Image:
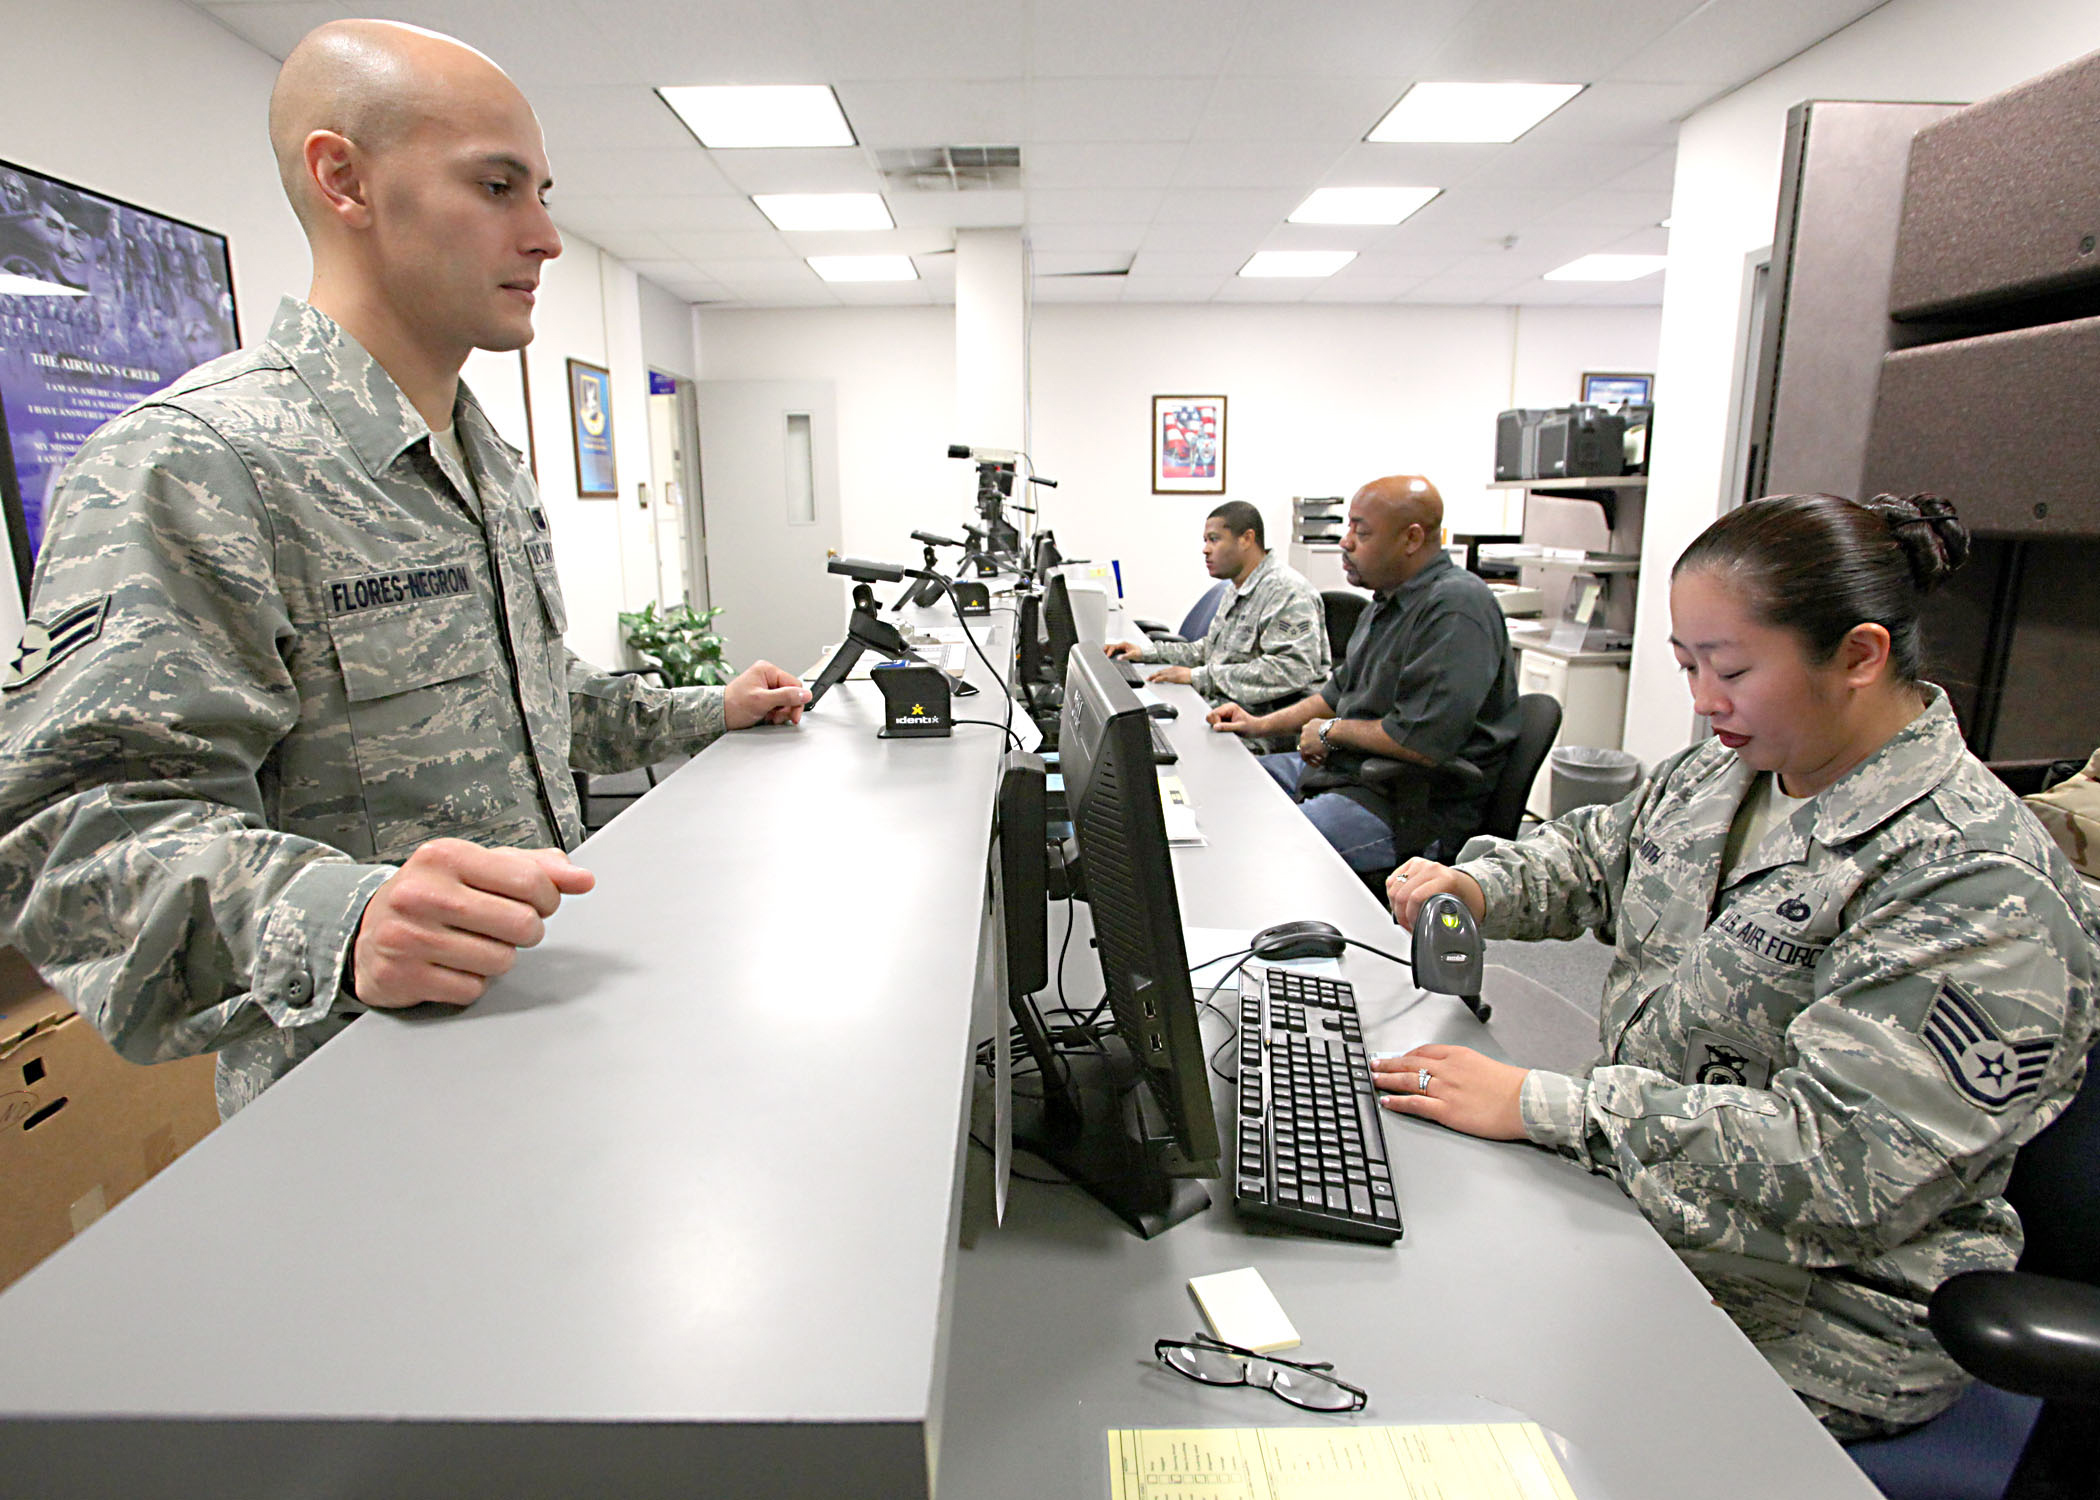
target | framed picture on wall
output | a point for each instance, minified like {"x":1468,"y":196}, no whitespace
{"x":590,"y":412}
{"x":1600,"y":389}
{"x":1188,"y":445}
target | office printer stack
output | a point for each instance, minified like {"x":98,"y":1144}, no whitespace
{"x":1572,"y":442}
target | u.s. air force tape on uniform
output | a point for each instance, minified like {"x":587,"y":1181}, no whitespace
{"x":44,"y":645}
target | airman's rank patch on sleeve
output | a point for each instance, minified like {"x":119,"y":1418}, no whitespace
{"x":1988,"y":1069}
{"x":44,"y":645}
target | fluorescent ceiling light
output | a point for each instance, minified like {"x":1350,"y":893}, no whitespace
{"x":753,"y":116}
{"x":1297,"y":262}
{"x":1362,"y":205}
{"x":825,"y":210}
{"x":864,"y":267}
{"x":12,"y":285}
{"x":1471,"y":111}
{"x":1609,"y":268}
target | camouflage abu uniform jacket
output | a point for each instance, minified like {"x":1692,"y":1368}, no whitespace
{"x":276,"y":643}
{"x":1814,"y":1079}
{"x":1268,"y":641}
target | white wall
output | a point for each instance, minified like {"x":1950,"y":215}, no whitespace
{"x":1727,"y":194}
{"x":1321,"y":399}
{"x":151,"y":101}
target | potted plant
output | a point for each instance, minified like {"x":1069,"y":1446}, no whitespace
{"x":679,"y":643}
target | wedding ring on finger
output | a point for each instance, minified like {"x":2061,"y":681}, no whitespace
{"x":1421,"y":1080}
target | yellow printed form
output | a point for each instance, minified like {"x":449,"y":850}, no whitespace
{"x":1480,"y":1461}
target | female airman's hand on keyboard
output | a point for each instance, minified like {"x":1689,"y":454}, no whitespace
{"x":1456,"y":1087}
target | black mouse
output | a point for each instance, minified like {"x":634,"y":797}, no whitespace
{"x":1299,"y":940}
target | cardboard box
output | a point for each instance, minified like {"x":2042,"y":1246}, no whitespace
{"x":80,"y":1128}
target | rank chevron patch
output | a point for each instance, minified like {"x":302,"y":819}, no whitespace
{"x":1981,"y":1063}
{"x":45,"y":646}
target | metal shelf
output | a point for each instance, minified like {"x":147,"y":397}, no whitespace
{"x":1591,"y":482}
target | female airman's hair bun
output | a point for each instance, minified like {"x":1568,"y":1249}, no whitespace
{"x":1819,"y":565}
{"x":1931,"y":535}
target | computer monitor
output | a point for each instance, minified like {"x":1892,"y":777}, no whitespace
{"x":1060,"y":625}
{"x":1030,"y":671}
{"x":1047,"y":557}
{"x":1146,"y":1129}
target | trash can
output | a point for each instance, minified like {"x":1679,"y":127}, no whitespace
{"x":1583,"y":774}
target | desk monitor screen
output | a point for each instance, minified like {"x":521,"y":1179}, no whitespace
{"x":1148,"y":1124}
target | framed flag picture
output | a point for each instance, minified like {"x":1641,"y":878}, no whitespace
{"x":1188,"y":445}
{"x":590,"y":410}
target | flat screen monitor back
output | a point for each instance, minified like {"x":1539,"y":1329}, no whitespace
{"x":101,"y":303}
{"x":1060,"y":624}
{"x":1149,"y":1124}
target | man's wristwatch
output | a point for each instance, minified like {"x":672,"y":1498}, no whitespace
{"x":1325,"y":726}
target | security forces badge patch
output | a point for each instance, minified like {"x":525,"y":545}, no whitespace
{"x":46,"y":644}
{"x":1977,"y":1060}
{"x":1712,"y":1058}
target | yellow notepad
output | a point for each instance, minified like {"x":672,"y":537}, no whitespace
{"x":1477,"y":1461}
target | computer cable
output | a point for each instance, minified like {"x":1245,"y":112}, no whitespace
{"x":998,"y":680}
{"x":1012,"y":738}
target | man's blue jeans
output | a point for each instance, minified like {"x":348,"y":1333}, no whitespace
{"x":1359,"y":835}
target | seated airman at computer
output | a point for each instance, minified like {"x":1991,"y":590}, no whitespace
{"x":1427,"y":678}
{"x":1267,"y":643}
{"x":1853,"y":976}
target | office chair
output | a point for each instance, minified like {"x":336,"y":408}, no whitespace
{"x":1196,"y":624}
{"x":2030,"y":1428}
{"x":1538,"y":721}
{"x":1343,"y":608}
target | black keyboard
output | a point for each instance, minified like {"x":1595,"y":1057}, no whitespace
{"x":1311,"y":1154}
{"x":1130,"y":671}
{"x":1163,"y":751}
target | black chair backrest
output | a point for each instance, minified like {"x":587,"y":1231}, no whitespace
{"x":1343,"y":607}
{"x":2056,"y":1188}
{"x":1196,"y":624}
{"x":1538,"y":722}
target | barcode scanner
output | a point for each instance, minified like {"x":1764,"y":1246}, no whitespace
{"x":1449,"y":957}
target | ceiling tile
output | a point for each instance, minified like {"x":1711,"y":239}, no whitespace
{"x":684,"y":172}
{"x":1077,"y":289}
{"x":1345,"y":38}
{"x":1256,"y":164}
{"x":1074,"y":262}
{"x":720,"y":41}
{"x":871,"y":242}
{"x":1725,"y":45}
{"x":845,"y":169}
{"x":1625,"y":114}
{"x":1171,"y":288}
{"x":1150,"y":262}
{"x":932,"y":39}
{"x":719,"y":247}
{"x":1244,"y":207}
{"x":1129,"y":111}
{"x":650,"y":211}
{"x":591,"y":118}
{"x":934,"y":112}
{"x":1583,"y":41}
{"x":994,"y":208}
{"x":1324,"y":109}
{"x":1084,"y":205}
{"x":1543,"y":164}
{"x":1088,"y":38}
{"x":1087,"y":166}
{"x":1087,"y":238}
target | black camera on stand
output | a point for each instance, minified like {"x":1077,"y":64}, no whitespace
{"x":996,"y":541}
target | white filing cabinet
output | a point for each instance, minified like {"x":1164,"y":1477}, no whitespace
{"x":1591,"y":690}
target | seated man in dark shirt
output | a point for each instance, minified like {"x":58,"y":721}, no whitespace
{"x":1427,"y":678}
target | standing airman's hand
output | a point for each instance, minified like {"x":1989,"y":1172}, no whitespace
{"x":763,"y":694}
{"x":453,"y":917}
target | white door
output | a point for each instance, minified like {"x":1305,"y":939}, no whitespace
{"x":769,"y":492}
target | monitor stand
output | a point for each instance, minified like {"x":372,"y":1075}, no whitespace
{"x":1102,"y":1130}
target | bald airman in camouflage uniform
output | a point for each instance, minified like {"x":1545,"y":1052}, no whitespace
{"x":280,"y":640}
{"x":1815,"y":1076}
